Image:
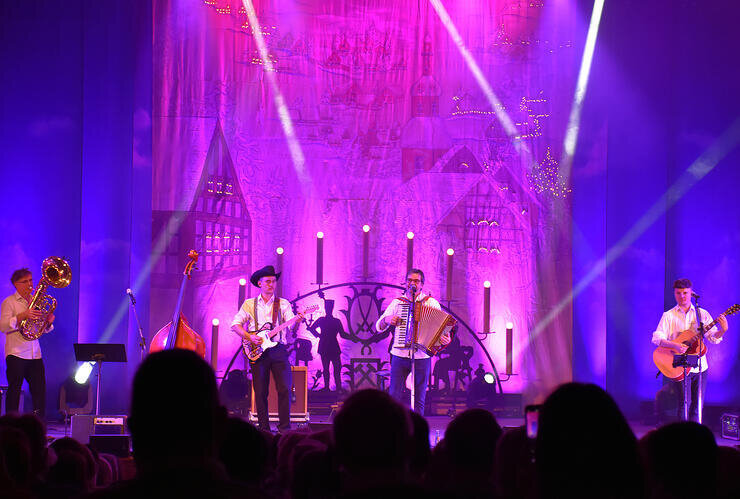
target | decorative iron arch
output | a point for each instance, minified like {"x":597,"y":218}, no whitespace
{"x":357,"y":284}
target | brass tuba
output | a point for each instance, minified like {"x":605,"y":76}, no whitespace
{"x":55,"y":272}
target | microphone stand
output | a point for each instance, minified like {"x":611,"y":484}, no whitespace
{"x":700,"y":383}
{"x":412,"y":322}
{"x":142,"y":341}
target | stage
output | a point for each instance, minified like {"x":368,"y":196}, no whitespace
{"x":550,"y":171}
{"x":437,"y":426}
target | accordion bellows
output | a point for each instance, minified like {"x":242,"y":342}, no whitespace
{"x":432,"y":325}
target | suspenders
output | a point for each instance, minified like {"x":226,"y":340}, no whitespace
{"x":275,"y":319}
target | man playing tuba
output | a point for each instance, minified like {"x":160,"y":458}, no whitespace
{"x":23,"y":357}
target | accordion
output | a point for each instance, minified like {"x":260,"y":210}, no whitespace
{"x":432,"y":324}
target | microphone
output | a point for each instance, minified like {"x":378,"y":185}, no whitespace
{"x":412,"y":288}
{"x":131,"y":295}
{"x":694,"y":295}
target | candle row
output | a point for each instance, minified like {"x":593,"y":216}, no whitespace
{"x":365,"y":257}
{"x":410,"y":237}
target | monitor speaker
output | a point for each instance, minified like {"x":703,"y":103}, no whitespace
{"x":84,"y":425}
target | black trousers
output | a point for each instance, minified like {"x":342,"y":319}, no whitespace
{"x":32,"y":370}
{"x":669,"y":399}
{"x":273,"y":360}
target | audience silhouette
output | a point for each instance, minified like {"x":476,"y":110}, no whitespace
{"x":584,"y":447}
{"x":177,"y":425}
{"x":186,"y":446}
{"x":698,"y":450}
{"x":463,"y":462}
{"x":373,"y":436}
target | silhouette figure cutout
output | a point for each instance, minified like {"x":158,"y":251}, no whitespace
{"x":329,"y":349}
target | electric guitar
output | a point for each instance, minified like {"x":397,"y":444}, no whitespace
{"x":663,"y":356}
{"x":254,"y":352}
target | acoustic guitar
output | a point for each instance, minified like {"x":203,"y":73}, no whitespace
{"x":254,"y":352}
{"x":663,"y":356}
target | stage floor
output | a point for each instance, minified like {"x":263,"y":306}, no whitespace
{"x":437,"y":426}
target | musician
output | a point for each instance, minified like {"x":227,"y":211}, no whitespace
{"x":401,"y":356}
{"x":252,"y":316}
{"x":672,"y":323}
{"x":23,"y":357}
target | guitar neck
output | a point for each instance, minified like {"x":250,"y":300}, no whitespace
{"x":272,"y":333}
{"x":176,"y":315}
{"x":709,"y":326}
{"x":712,"y":324}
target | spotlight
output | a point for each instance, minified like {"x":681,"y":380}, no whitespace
{"x":242,"y":282}
{"x":215,"y":322}
{"x":486,"y":284}
{"x":410,"y":235}
{"x":509,"y":325}
{"x":83,"y":372}
{"x":365,"y":228}
{"x":450,"y":251}
{"x":279,"y":250}
{"x":574,"y":121}
{"x":294,"y":146}
{"x":320,"y":235}
{"x":489,"y":378}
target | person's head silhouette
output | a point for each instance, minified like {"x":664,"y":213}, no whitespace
{"x":175,"y":412}
{"x":373,"y":437}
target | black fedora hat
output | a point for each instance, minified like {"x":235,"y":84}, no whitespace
{"x":263,"y":272}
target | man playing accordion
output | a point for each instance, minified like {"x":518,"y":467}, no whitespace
{"x":398,"y":315}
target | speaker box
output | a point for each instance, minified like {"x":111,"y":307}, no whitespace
{"x":730,"y":424}
{"x":298,"y":397}
{"x":84,"y":425}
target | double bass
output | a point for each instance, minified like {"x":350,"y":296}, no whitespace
{"x":177,"y":333}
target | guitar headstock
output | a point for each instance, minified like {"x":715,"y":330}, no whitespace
{"x":192,"y":260}
{"x":732,"y":310}
{"x":310,"y":309}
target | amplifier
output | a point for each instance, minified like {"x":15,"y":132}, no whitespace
{"x":298,"y":398}
{"x":730,"y":426}
{"x":84,"y":425}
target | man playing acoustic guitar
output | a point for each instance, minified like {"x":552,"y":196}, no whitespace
{"x":252,"y":316}
{"x":675,"y":321}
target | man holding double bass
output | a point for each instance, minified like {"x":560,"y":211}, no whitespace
{"x":266,"y":309}
{"x":675,"y":321}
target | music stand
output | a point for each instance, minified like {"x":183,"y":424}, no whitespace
{"x":99,"y":353}
{"x":686,"y":361}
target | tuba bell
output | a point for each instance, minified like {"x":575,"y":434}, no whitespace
{"x":55,"y":272}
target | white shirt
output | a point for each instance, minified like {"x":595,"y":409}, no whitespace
{"x":674,"y":321}
{"x":395,"y":309}
{"x":263,"y":311}
{"x":15,"y":343}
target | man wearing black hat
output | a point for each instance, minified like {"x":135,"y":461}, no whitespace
{"x":252,"y":316}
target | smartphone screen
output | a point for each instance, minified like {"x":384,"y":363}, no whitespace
{"x":531,"y":415}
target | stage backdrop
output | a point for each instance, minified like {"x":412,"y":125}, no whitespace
{"x":391,"y":130}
